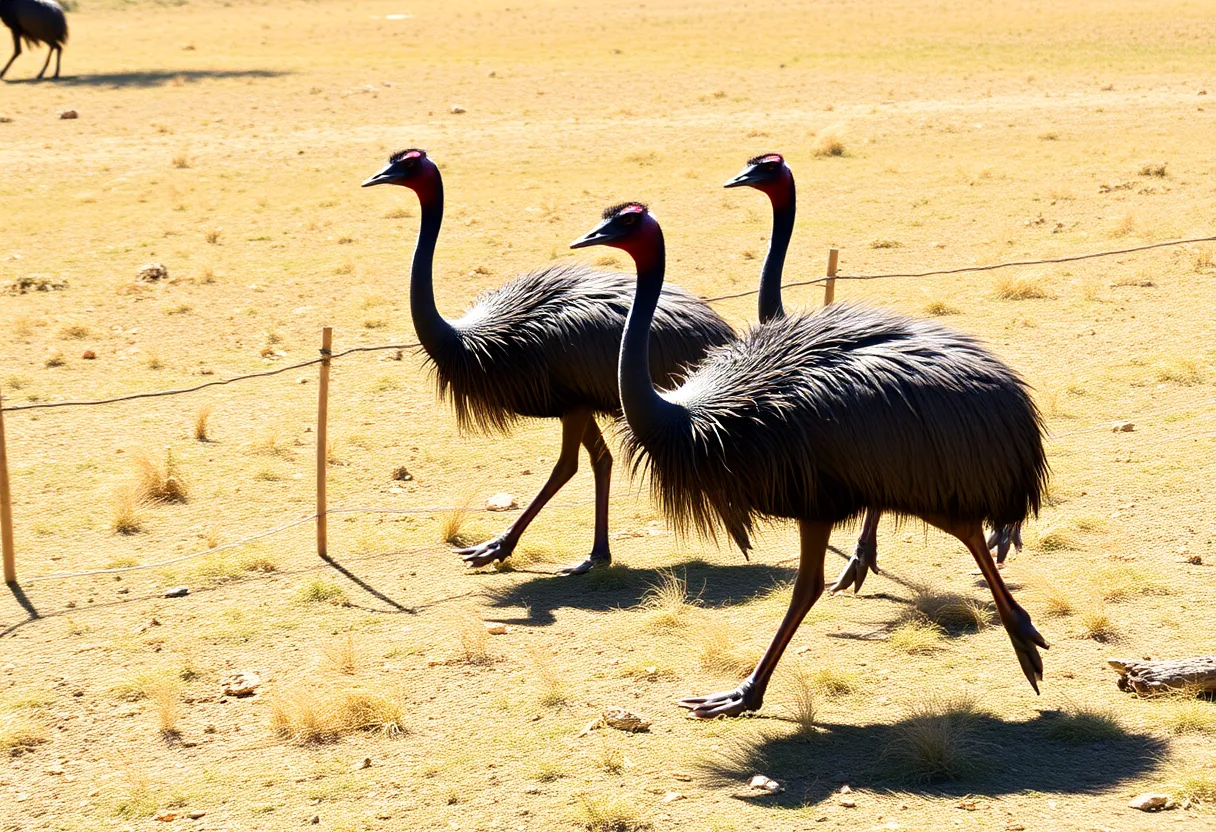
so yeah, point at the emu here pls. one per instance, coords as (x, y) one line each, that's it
(35, 21)
(770, 174)
(543, 345)
(816, 418)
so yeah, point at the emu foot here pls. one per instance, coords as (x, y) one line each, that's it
(592, 560)
(483, 554)
(1025, 638)
(726, 703)
(1002, 539)
(865, 558)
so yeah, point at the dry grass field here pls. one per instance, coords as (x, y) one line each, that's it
(227, 141)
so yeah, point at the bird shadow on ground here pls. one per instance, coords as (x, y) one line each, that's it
(1008, 758)
(151, 78)
(619, 587)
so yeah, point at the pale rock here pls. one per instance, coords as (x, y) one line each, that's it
(672, 797)
(457, 109)
(501, 501)
(623, 720)
(1122, 427)
(244, 683)
(761, 783)
(1150, 802)
(496, 629)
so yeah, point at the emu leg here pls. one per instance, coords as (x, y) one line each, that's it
(58, 58)
(1002, 539)
(16, 52)
(865, 556)
(601, 465)
(1016, 620)
(49, 52)
(808, 586)
(574, 425)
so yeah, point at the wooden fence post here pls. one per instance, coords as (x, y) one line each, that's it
(829, 286)
(327, 340)
(6, 511)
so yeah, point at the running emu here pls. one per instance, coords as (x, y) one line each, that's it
(544, 345)
(818, 417)
(769, 174)
(35, 21)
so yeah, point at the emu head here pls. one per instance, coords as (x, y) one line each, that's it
(410, 168)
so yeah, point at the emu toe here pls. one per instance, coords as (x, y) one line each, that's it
(726, 703)
(483, 554)
(865, 558)
(1026, 639)
(1002, 539)
(586, 565)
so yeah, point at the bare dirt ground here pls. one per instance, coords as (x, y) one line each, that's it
(228, 141)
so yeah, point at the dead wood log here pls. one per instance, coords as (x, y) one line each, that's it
(1194, 675)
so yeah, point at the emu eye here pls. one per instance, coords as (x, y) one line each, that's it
(629, 219)
(408, 163)
(770, 165)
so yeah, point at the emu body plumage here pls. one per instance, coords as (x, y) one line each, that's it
(35, 22)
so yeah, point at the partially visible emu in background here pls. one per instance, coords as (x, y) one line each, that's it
(35, 22)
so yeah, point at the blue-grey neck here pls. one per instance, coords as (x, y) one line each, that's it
(645, 410)
(774, 261)
(433, 331)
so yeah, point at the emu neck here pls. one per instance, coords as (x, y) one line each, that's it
(646, 412)
(433, 331)
(774, 261)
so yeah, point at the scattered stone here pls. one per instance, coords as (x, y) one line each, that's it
(68, 114)
(1149, 802)
(457, 109)
(366, 762)
(88, 355)
(760, 783)
(682, 776)
(496, 629)
(501, 501)
(314, 820)
(9, 120)
(244, 683)
(196, 815)
(55, 769)
(177, 592)
(302, 380)
(166, 816)
(532, 790)
(402, 474)
(210, 729)
(206, 371)
(35, 283)
(152, 273)
(968, 805)
(623, 720)
(1194, 560)
(1122, 427)
(672, 797)
(848, 802)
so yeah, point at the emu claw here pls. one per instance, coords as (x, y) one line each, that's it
(586, 565)
(1025, 638)
(726, 703)
(865, 558)
(483, 554)
(1002, 539)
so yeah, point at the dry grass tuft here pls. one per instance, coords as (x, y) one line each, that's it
(916, 637)
(452, 523)
(1154, 169)
(828, 143)
(605, 813)
(1178, 370)
(1057, 539)
(1186, 714)
(202, 419)
(1083, 723)
(474, 640)
(160, 483)
(667, 604)
(1020, 287)
(55, 359)
(936, 741)
(306, 716)
(225, 566)
(1116, 582)
(213, 236)
(1194, 785)
(830, 680)
(552, 688)
(1097, 624)
(129, 506)
(802, 704)
(1205, 258)
(940, 309)
(321, 591)
(166, 701)
(21, 731)
(950, 609)
(1125, 226)
(343, 657)
(181, 161)
(75, 332)
(718, 654)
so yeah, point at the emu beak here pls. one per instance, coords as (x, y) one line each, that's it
(601, 235)
(387, 175)
(747, 176)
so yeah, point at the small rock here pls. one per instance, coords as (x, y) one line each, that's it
(1195, 560)
(681, 776)
(244, 683)
(210, 729)
(88, 355)
(402, 474)
(848, 802)
(501, 501)
(1149, 802)
(314, 820)
(532, 790)
(1122, 427)
(672, 797)
(68, 114)
(846, 789)
(166, 816)
(366, 762)
(152, 273)
(5, 120)
(761, 783)
(968, 805)
(457, 109)
(55, 769)
(494, 74)
(496, 629)
(196, 815)
(302, 380)
(623, 720)
(177, 592)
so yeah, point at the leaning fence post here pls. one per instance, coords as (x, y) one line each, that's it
(6, 511)
(829, 286)
(327, 340)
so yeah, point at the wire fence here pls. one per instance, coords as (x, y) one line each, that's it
(199, 473)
